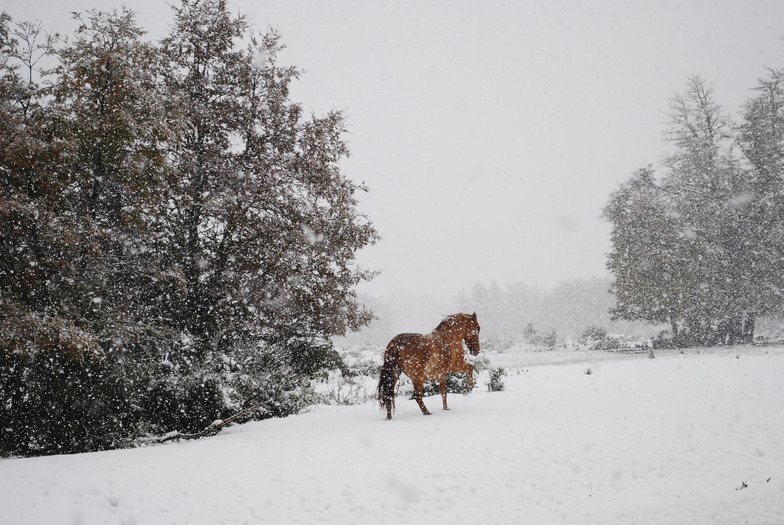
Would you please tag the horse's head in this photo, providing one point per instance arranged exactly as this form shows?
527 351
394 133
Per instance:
459 327
471 334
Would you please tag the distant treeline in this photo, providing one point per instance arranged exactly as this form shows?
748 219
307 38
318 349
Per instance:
505 311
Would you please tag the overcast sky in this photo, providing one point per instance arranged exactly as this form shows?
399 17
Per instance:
491 133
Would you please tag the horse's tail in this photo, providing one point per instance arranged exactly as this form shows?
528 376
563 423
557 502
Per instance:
390 371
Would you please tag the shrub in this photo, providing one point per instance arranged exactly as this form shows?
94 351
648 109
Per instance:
543 341
455 384
550 340
496 383
595 338
56 400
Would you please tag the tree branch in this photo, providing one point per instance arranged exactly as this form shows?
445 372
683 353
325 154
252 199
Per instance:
214 428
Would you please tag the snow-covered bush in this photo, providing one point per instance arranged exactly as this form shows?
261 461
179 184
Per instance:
338 389
496 344
56 393
547 341
262 375
596 338
496 383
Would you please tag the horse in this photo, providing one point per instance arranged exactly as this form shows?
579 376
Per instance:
428 356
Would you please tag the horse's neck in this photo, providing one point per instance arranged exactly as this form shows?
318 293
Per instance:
448 338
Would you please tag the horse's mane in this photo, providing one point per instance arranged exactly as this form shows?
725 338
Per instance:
448 322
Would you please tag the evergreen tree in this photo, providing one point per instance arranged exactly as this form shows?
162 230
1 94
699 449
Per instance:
761 139
651 253
697 248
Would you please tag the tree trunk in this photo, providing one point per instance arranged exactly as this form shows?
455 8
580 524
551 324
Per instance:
674 325
734 330
749 323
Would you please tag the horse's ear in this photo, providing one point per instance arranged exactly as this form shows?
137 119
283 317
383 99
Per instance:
474 316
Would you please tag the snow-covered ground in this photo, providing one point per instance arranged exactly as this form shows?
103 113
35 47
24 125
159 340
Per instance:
682 438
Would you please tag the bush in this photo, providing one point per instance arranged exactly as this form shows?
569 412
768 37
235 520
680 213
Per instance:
53 403
595 338
593 333
496 344
496 383
309 356
455 384
57 398
187 404
260 375
56 393
664 340
543 341
549 341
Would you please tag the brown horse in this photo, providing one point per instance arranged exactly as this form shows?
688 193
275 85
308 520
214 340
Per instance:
432 356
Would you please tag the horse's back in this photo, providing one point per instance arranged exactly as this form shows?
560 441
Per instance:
420 354
401 341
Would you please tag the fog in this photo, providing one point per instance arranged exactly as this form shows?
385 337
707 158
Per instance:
490 134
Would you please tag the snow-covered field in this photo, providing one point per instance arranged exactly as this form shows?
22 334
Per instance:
682 438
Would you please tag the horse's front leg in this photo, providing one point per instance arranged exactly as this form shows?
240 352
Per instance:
418 387
442 388
469 377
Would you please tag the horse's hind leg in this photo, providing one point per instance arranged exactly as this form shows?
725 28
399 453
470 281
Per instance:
418 387
442 388
391 405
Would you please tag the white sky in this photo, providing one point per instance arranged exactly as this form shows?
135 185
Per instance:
491 133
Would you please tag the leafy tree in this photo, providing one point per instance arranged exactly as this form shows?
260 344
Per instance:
263 225
177 241
106 108
81 166
30 192
704 180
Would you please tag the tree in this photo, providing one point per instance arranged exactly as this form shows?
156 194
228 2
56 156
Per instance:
263 225
30 192
691 249
177 241
761 139
81 167
106 108
650 254
704 179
